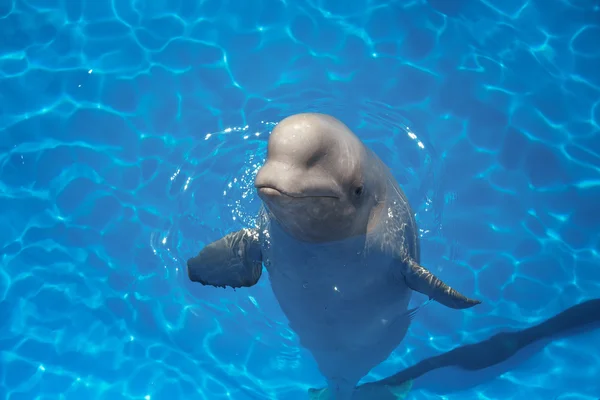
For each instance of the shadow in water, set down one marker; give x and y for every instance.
(468, 366)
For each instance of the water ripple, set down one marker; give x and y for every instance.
(132, 131)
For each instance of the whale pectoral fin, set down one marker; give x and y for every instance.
(235, 260)
(419, 279)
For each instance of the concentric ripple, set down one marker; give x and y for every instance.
(131, 132)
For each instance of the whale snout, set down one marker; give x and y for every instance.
(194, 270)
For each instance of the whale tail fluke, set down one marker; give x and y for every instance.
(374, 391)
(401, 391)
(319, 394)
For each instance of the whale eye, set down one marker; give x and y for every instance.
(358, 191)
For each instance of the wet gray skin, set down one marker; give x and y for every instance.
(339, 241)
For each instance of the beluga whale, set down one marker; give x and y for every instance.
(340, 243)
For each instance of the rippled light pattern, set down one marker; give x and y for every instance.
(131, 131)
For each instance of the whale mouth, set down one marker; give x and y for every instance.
(270, 191)
(273, 192)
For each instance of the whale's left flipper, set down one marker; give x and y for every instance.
(421, 280)
(235, 260)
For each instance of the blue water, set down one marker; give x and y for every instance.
(131, 131)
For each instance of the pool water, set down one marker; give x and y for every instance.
(131, 133)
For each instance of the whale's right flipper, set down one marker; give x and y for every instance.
(235, 260)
